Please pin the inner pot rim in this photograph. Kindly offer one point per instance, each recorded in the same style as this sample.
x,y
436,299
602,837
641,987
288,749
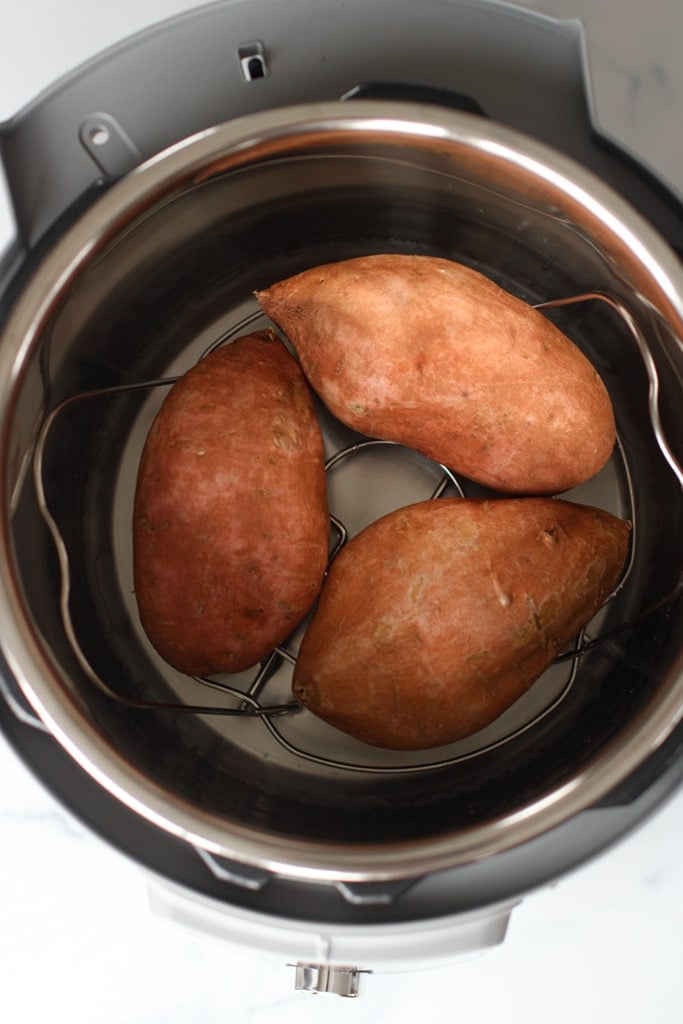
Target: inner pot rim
x,y
241,143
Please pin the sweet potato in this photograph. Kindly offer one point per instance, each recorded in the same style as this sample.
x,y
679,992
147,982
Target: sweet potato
x,y
437,617
231,528
434,355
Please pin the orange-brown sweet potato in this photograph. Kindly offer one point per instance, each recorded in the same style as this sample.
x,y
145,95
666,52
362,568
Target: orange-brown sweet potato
x,y
437,617
231,528
434,355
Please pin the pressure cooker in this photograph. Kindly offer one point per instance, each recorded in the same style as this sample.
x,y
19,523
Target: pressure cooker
x,y
146,218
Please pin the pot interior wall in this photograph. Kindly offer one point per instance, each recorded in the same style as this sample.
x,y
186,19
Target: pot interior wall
x,y
177,281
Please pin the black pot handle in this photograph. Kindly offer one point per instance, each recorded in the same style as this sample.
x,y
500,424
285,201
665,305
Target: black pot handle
x,y
15,700
409,92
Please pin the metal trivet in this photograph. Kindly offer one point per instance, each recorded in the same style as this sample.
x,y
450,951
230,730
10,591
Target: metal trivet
x,y
247,702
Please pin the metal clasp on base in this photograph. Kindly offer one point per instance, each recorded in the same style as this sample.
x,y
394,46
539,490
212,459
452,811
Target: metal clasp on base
x,y
339,980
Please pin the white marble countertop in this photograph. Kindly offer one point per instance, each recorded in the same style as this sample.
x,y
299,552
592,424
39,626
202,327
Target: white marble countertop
x,y
78,944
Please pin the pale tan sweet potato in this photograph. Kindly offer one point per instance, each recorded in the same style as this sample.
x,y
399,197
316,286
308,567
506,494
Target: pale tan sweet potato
x,y
439,616
434,355
231,528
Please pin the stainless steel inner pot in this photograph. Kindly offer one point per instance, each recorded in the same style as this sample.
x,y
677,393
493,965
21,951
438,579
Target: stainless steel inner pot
x,y
162,267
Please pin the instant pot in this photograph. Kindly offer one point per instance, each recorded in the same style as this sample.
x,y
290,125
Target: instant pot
x,y
155,189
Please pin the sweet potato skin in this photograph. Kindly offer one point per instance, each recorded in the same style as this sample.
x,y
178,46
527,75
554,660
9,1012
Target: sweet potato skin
x,y
437,617
230,521
434,355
